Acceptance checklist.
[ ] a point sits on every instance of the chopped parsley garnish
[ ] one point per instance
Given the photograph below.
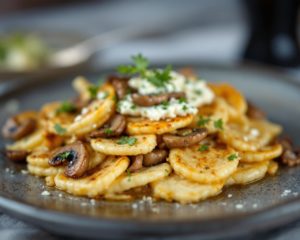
(108, 131)
(128, 175)
(218, 124)
(203, 148)
(203, 121)
(165, 105)
(182, 100)
(232, 157)
(93, 90)
(198, 92)
(59, 129)
(65, 155)
(184, 108)
(133, 107)
(127, 140)
(66, 107)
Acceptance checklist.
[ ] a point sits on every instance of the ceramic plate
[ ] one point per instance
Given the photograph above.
(266, 204)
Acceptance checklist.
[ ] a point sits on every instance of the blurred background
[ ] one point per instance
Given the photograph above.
(193, 30)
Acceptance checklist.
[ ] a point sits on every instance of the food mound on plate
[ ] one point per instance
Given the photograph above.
(146, 132)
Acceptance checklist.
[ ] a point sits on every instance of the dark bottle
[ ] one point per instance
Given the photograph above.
(273, 32)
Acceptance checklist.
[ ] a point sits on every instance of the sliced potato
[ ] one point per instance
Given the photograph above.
(208, 166)
(236, 101)
(39, 159)
(144, 144)
(97, 183)
(176, 188)
(208, 114)
(44, 172)
(138, 126)
(248, 172)
(81, 85)
(273, 167)
(251, 136)
(263, 154)
(147, 175)
(30, 142)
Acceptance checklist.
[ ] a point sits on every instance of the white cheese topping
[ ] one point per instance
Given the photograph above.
(197, 94)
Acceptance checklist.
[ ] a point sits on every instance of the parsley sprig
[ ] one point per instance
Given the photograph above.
(140, 66)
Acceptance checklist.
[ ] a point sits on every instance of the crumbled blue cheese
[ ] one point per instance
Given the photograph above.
(197, 94)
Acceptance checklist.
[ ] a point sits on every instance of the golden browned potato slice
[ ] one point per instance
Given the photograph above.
(236, 101)
(251, 136)
(263, 154)
(44, 172)
(210, 166)
(176, 188)
(273, 167)
(81, 85)
(142, 144)
(208, 114)
(138, 126)
(30, 142)
(248, 172)
(136, 179)
(93, 116)
(97, 183)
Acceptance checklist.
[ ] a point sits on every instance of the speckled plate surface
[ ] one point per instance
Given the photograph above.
(266, 204)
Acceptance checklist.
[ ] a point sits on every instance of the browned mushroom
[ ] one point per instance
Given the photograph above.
(16, 155)
(254, 112)
(185, 137)
(114, 128)
(290, 155)
(120, 85)
(75, 156)
(154, 157)
(151, 100)
(17, 127)
(137, 163)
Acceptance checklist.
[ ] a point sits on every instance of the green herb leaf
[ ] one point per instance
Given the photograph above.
(66, 107)
(65, 155)
(198, 92)
(159, 78)
(165, 105)
(218, 124)
(128, 175)
(203, 121)
(93, 90)
(108, 131)
(182, 100)
(133, 107)
(232, 157)
(59, 129)
(140, 66)
(127, 140)
(203, 148)
(184, 108)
